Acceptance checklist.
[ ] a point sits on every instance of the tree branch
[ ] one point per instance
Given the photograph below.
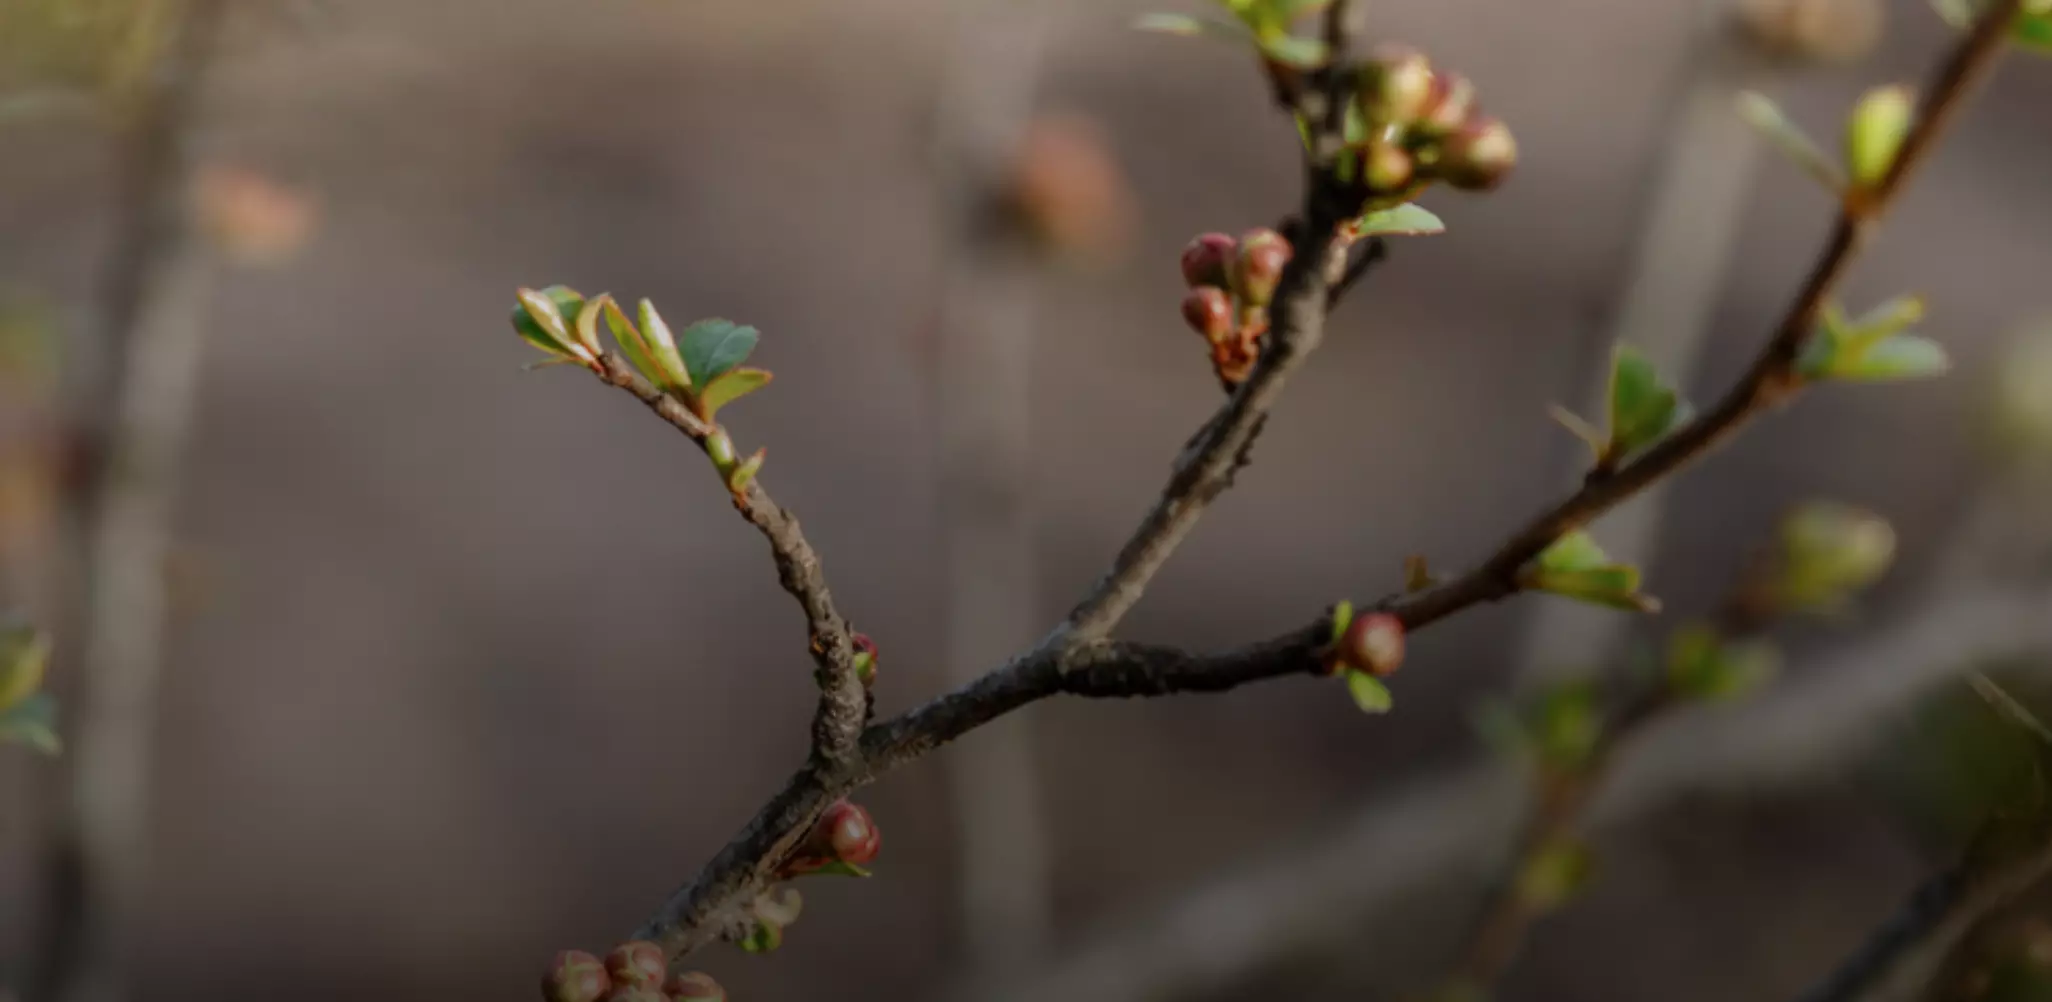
(1077, 658)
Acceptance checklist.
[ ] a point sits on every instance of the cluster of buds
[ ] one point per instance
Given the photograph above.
(844, 840)
(1231, 284)
(1419, 125)
(633, 972)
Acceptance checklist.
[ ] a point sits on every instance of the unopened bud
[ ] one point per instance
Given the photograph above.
(694, 986)
(1258, 270)
(1387, 168)
(1477, 157)
(1451, 104)
(720, 446)
(1374, 643)
(1207, 259)
(850, 834)
(1396, 86)
(638, 964)
(1209, 312)
(575, 976)
(1875, 133)
(865, 658)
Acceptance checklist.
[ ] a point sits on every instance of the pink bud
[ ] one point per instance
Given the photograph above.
(694, 986)
(575, 976)
(1396, 86)
(1373, 643)
(1451, 105)
(851, 835)
(1258, 269)
(865, 658)
(1209, 312)
(1478, 156)
(638, 964)
(1206, 259)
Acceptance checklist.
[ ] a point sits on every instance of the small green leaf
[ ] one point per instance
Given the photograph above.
(1703, 665)
(1760, 112)
(1576, 551)
(1554, 874)
(1193, 27)
(1826, 552)
(630, 341)
(744, 472)
(764, 938)
(1292, 50)
(24, 653)
(1643, 409)
(1616, 586)
(33, 722)
(662, 348)
(1875, 131)
(1407, 220)
(713, 346)
(586, 329)
(2034, 32)
(1566, 725)
(537, 320)
(1342, 614)
(729, 387)
(1369, 693)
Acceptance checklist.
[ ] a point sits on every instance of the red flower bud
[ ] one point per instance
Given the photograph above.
(1374, 643)
(694, 986)
(1208, 312)
(850, 834)
(639, 964)
(1397, 86)
(1478, 156)
(865, 658)
(575, 976)
(1386, 168)
(1206, 259)
(1258, 269)
(1451, 105)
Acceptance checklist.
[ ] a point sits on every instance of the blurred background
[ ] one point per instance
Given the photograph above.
(424, 666)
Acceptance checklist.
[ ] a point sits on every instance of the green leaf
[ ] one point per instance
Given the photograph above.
(537, 320)
(1369, 693)
(1566, 725)
(744, 472)
(1342, 615)
(1826, 552)
(1701, 664)
(1875, 131)
(662, 348)
(1643, 409)
(24, 653)
(764, 938)
(32, 722)
(1615, 586)
(630, 341)
(1904, 356)
(2034, 32)
(1576, 551)
(1554, 874)
(1760, 112)
(586, 329)
(1193, 27)
(1407, 220)
(1292, 50)
(711, 347)
(729, 387)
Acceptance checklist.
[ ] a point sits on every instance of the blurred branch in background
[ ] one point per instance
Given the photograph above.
(985, 321)
(1704, 173)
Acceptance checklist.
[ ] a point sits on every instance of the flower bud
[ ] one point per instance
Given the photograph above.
(1451, 105)
(1258, 270)
(694, 986)
(1396, 86)
(1478, 156)
(1207, 258)
(575, 976)
(1374, 643)
(1208, 312)
(1875, 133)
(1386, 168)
(850, 834)
(638, 964)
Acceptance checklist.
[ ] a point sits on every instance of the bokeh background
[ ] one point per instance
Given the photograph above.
(468, 664)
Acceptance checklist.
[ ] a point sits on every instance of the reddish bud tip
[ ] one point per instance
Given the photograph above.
(850, 833)
(865, 658)
(1258, 269)
(1478, 156)
(1387, 168)
(1451, 105)
(1397, 86)
(575, 976)
(639, 964)
(1206, 259)
(1209, 312)
(694, 986)
(1373, 643)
